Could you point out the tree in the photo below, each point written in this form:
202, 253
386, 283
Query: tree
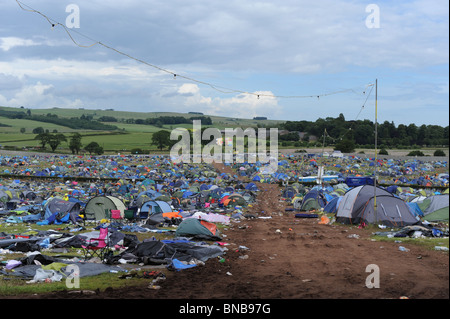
345, 146
161, 139
416, 153
75, 143
94, 147
38, 130
439, 153
43, 138
55, 140
22, 130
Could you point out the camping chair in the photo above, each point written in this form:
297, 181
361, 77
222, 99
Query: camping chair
129, 215
116, 215
97, 247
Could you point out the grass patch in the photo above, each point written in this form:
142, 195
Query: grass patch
426, 242
17, 287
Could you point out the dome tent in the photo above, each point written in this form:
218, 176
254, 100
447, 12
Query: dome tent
153, 207
99, 207
357, 206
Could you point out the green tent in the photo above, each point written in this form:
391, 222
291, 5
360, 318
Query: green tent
310, 204
195, 227
99, 207
435, 208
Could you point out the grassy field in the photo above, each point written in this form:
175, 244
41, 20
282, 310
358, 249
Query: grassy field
123, 115
129, 136
132, 135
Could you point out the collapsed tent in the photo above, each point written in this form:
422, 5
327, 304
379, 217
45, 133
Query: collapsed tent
358, 206
99, 207
196, 228
162, 252
57, 209
233, 199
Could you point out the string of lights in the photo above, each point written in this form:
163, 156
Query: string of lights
175, 75
354, 121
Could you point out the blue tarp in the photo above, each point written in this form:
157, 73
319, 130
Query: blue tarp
358, 181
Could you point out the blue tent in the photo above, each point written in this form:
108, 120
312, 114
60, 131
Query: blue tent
251, 187
415, 209
153, 207
332, 205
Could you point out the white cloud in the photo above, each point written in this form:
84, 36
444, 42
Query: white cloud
39, 95
301, 47
62, 69
189, 97
188, 89
7, 43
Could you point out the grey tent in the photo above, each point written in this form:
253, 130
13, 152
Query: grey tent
62, 207
99, 207
358, 205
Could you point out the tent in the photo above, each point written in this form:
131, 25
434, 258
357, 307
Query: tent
59, 209
153, 207
310, 204
435, 208
332, 205
289, 192
314, 199
357, 206
234, 199
98, 207
197, 228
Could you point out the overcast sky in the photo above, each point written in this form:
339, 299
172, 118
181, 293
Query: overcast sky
306, 59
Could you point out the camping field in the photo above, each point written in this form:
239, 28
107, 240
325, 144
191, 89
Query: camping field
278, 257
271, 255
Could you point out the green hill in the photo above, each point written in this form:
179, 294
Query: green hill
113, 130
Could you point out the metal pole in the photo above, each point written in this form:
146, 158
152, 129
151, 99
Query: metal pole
376, 161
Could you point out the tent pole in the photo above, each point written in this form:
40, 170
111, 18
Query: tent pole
376, 161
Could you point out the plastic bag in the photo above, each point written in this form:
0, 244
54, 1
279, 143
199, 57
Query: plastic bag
46, 275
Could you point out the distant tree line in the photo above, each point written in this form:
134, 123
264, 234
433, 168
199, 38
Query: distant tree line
169, 120
82, 122
362, 133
